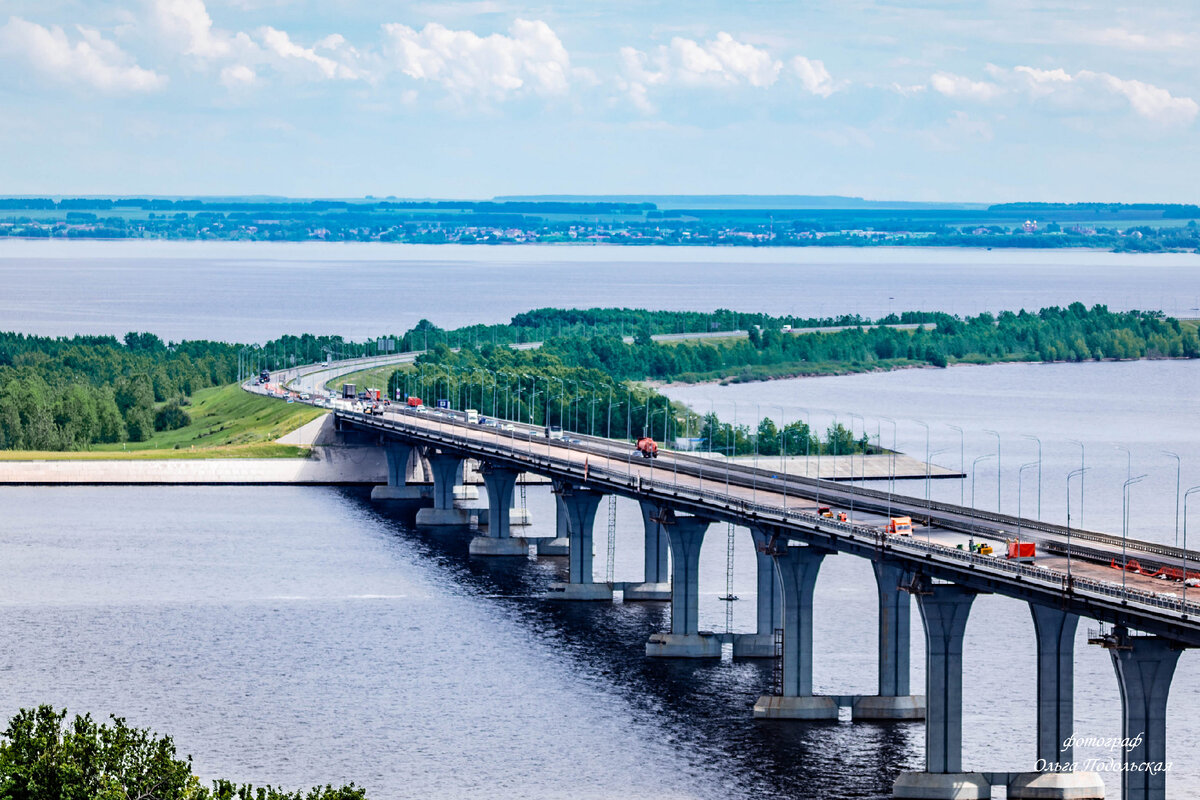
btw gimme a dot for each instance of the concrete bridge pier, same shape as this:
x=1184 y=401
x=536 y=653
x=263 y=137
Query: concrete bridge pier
x=399 y=456
x=769 y=600
x=657 y=575
x=685 y=535
x=447 y=474
x=1054 y=776
x=499 y=540
x=944 y=609
x=797 y=568
x=1145 y=666
x=560 y=545
x=581 y=505
x=894 y=701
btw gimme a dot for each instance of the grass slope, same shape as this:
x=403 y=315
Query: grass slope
x=226 y=423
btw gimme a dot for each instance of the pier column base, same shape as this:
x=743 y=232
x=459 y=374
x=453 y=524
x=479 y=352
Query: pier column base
x=942 y=786
x=677 y=645
x=754 y=645
x=496 y=546
x=560 y=545
x=875 y=707
x=647 y=591
x=802 y=707
x=448 y=517
x=1056 y=786
x=580 y=591
x=414 y=493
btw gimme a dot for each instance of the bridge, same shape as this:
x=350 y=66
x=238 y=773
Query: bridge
x=1143 y=621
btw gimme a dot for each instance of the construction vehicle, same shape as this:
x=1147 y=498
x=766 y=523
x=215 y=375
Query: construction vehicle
x=1021 y=551
x=647 y=447
x=842 y=517
x=900 y=526
x=824 y=511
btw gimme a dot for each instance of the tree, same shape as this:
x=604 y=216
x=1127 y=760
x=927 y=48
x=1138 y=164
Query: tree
x=43 y=757
x=171 y=417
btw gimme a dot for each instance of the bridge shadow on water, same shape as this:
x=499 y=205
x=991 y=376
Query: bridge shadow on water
x=701 y=708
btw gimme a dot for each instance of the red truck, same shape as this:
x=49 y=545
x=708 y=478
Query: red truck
x=647 y=447
x=413 y=402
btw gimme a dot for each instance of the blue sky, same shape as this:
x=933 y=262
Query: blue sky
x=934 y=100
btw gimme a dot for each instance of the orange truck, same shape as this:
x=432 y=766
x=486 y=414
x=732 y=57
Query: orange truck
x=413 y=401
x=647 y=447
x=900 y=526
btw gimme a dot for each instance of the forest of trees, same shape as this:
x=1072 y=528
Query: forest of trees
x=582 y=382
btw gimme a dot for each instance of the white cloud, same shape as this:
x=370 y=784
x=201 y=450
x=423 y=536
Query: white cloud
x=278 y=43
x=813 y=75
x=1149 y=101
x=959 y=87
x=91 y=60
x=237 y=76
x=187 y=23
x=530 y=58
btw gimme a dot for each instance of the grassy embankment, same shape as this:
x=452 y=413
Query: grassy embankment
x=375 y=378
x=226 y=423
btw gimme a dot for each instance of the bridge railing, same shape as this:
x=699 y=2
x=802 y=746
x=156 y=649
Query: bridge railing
x=764 y=512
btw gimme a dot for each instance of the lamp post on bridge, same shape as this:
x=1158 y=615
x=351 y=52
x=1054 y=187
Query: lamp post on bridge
x=928 y=456
x=1186 y=494
x=1039 y=466
x=999 y=470
x=891 y=463
x=1178 y=476
x=1082 y=466
x=928 y=482
x=864 y=459
x=962 y=462
x=1125 y=494
x=1080 y=472
x=975 y=463
x=1020 y=474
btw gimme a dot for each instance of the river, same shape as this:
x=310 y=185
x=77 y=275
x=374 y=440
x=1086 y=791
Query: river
x=239 y=291
x=302 y=635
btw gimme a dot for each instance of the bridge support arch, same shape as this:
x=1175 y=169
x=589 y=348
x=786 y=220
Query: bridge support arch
x=944 y=610
x=1055 y=776
x=1145 y=666
x=894 y=700
x=447 y=469
x=400 y=456
x=685 y=536
x=797 y=568
x=769 y=602
x=499 y=540
x=560 y=545
x=580 y=504
x=656 y=584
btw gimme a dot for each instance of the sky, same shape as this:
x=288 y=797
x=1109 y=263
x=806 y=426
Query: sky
x=931 y=100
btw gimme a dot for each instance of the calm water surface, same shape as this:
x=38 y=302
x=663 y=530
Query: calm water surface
x=256 y=291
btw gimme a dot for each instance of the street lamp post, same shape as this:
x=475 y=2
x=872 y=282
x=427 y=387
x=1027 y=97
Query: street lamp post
x=962 y=462
x=1125 y=493
x=1039 y=466
x=974 y=463
x=928 y=482
x=928 y=455
x=999 y=470
x=1178 y=476
x=1082 y=466
x=1070 y=475
x=1020 y=474
x=1186 y=495
x=891 y=462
